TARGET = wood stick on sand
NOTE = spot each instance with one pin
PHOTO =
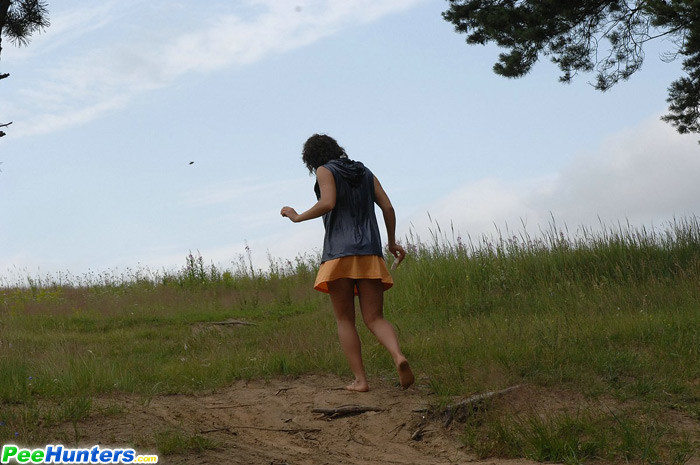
(345, 410)
(259, 428)
(471, 402)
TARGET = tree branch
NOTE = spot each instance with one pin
(669, 32)
(468, 404)
(259, 428)
(345, 410)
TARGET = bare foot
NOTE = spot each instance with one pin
(357, 386)
(406, 377)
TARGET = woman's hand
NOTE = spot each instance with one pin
(398, 252)
(290, 213)
(325, 203)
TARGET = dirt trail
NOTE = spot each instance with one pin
(272, 423)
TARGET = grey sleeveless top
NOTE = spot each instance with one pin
(351, 227)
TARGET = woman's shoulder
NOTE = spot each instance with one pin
(344, 163)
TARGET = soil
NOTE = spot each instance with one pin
(272, 423)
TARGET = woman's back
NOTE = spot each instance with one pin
(351, 227)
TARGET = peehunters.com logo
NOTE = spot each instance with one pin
(58, 454)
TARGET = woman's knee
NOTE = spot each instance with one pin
(372, 316)
(373, 322)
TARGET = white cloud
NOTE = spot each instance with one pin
(48, 122)
(646, 175)
(119, 66)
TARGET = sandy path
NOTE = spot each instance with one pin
(272, 423)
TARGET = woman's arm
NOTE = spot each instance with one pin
(382, 199)
(325, 203)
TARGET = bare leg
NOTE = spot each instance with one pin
(372, 305)
(342, 292)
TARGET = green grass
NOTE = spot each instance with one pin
(175, 442)
(613, 316)
(576, 438)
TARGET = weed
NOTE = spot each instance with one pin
(175, 441)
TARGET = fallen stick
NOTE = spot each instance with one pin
(473, 400)
(345, 410)
(487, 395)
(470, 400)
(276, 430)
(230, 406)
(215, 430)
(230, 322)
(418, 434)
(397, 429)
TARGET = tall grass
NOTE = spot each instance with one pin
(547, 308)
(612, 315)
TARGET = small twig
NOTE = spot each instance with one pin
(230, 406)
(279, 430)
(345, 410)
(473, 401)
(418, 434)
(479, 397)
(354, 439)
(215, 430)
(397, 429)
(280, 390)
(230, 322)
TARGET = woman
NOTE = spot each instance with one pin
(352, 262)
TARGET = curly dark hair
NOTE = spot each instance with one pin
(319, 149)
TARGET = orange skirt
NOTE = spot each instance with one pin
(353, 267)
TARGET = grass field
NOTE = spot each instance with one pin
(611, 319)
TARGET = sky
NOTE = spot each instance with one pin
(147, 130)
